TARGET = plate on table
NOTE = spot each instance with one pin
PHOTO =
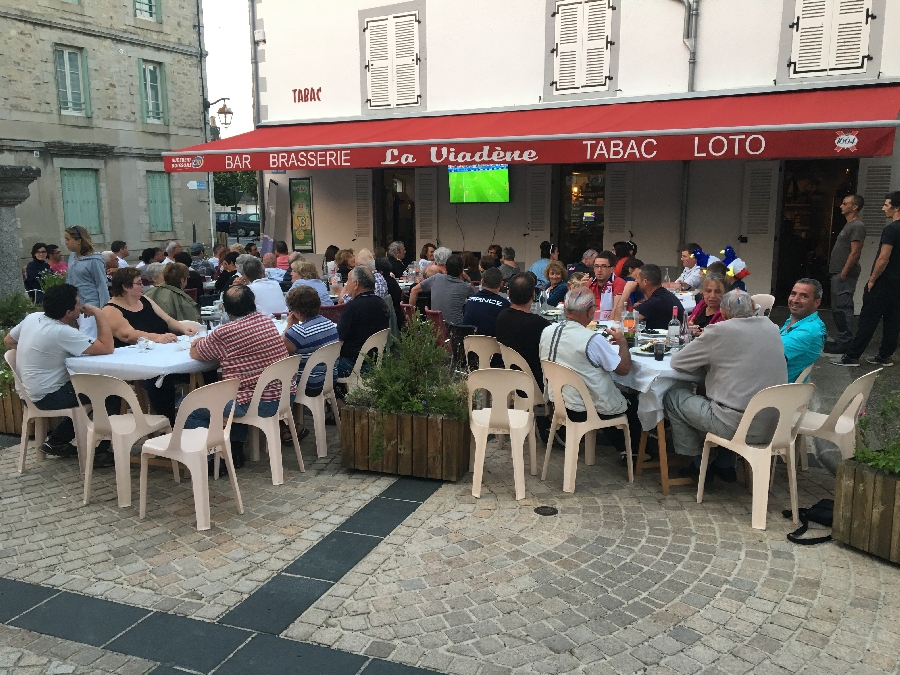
(552, 312)
(647, 349)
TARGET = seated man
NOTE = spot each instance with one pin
(267, 293)
(658, 302)
(586, 264)
(607, 286)
(482, 308)
(737, 354)
(199, 264)
(570, 343)
(244, 347)
(519, 329)
(803, 334)
(43, 342)
(270, 266)
(449, 292)
(689, 279)
(365, 315)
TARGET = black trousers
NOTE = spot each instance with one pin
(64, 397)
(615, 437)
(881, 303)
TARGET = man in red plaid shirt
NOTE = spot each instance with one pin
(244, 347)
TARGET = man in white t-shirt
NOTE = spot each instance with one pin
(690, 277)
(43, 342)
(268, 293)
(120, 248)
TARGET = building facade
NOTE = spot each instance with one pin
(439, 65)
(93, 91)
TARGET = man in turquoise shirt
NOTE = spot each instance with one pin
(804, 333)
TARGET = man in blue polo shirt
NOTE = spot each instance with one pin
(803, 335)
(483, 307)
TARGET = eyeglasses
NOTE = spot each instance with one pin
(602, 267)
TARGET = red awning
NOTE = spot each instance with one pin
(812, 123)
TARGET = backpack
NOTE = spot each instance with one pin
(822, 512)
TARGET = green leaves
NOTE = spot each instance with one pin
(880, 433)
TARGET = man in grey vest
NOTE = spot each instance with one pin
(844, 270)
(572, 344)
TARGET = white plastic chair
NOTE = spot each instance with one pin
(790, 400)
(483, 346)
(283, 371)
(801, 378)
(376, 341)
(316, 404)
(559, 376)
(517, 423)
(764, 303)
(31, 413)
(838, 426)
(512, 360)
(123, 430)
(192, 446)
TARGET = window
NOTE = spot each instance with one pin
(159, 201)
(581, 50)
(830, 37)
(153, 93)
(81, 198)
(71, 81)
(392, 61)
(147, 9)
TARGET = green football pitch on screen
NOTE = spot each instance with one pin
(473, 184)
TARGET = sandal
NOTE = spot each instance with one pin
(303, 433)
(285, 433)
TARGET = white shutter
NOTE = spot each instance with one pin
(537, 201)
(405, 61)
(426, 206)
(595, 54)
(759, 213)
(849, 49)
(811, 37)
(378, 62)
(873, 183)
(617, 199)
(568, 45)
(363, 230)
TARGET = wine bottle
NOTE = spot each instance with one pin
(673, 338)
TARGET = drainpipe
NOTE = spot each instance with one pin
(691, 14)
(254, 60)
(201, 45)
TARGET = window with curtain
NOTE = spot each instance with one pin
(153, 92)
(70, 81)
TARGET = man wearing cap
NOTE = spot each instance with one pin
(198, 263)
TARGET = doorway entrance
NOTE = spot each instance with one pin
(811, 220)
(582, 195)
(395, 208)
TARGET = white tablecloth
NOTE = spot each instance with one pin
(130, 363)
(687, 301)
(652, 379)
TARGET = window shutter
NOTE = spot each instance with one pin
(426, 206)
(537, 201)
(596, 43)
(759, 213)
(364, 207)
(568, 45)
(378, 62)
(811, 37)
(159, 201)
(617, 199)
(85, 84)
(850, 35)
(405, 61)
(81, 198)
(143, 87)
(163, 93)
(873, 184)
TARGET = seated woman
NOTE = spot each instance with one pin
(306, 274)
(195, 279)
(37, 266)
(707, 311)
(307, 331)
(170, 296)
(344, 261)
(282, 255)
(229, 271)
(555, 273)
(132, 316)
(631, 295)
(470, 266)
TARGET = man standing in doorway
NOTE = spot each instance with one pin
(844, 270)
(881, 298)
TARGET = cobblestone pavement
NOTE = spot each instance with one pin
(621, 580)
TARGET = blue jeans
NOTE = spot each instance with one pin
(200, 417)
(343, 367)
(64, 397)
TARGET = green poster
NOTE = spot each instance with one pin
(301, 214)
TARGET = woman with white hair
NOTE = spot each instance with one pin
(367, 259)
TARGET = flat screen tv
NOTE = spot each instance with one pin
(481, 183)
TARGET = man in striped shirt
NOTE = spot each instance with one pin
(244, 347)
(306, 332)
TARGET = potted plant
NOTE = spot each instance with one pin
(409, 415)
(13, 309)
(867, 487)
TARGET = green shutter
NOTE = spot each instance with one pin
(85, 84)
(159, 201)
(81, 198)
(163, 94)
(158, 13)
(143, 88)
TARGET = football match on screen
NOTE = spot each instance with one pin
(483, 183)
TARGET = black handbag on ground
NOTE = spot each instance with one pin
(822, 512)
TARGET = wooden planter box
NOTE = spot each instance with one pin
(867, 510)
(10, 412)
(426, 446)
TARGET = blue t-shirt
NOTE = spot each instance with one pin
(803, 342)
(307, 337)
(538, 270)
(482, 309)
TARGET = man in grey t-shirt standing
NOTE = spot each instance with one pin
(448, 291)
(844, 270)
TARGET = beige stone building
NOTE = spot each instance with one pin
(91, 92)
